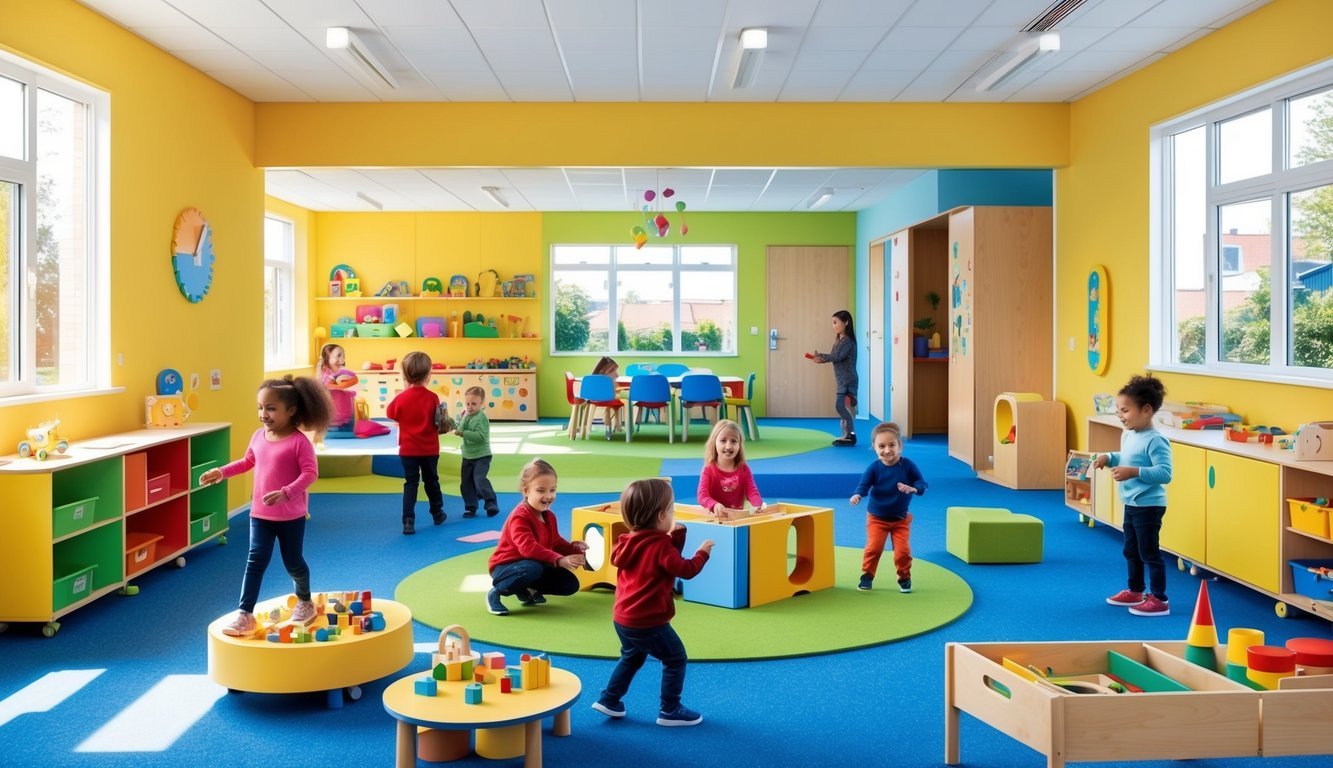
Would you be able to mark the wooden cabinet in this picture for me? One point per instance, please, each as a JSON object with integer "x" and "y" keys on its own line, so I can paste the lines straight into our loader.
{"x": 1242, "y": 507}
{"x": 998, "y": 325}
{"x": 78, "y": 525}
{"x": 1183, "y": 527}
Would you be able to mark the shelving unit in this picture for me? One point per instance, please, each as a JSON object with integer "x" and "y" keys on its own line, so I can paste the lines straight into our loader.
{"x": 1227, "y": 509}
{"x": 73, "y": 522}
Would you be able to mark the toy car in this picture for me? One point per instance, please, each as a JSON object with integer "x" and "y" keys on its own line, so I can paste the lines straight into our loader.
{"x": 42, "y": 440}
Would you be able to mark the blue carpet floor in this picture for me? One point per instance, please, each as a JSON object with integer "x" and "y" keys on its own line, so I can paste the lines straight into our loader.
{"x": 874, "y": 706}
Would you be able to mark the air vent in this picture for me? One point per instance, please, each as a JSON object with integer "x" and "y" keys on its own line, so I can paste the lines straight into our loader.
{"x": 1054, "y": 15}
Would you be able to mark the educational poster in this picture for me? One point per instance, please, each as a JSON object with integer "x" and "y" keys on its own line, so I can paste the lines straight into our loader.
{"x": 511, "y": 395}
{"x": 960, "y": 304}
{"x": 1098, "y": 304}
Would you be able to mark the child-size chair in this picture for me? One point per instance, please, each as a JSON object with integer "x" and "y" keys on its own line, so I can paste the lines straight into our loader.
{"x": 600, "y": 392}
{"x": 649, "y": 392}
{"x": 672, "y": 369}
{"x": 577, "y": 406}
{"x": 639, "y": 369}
{"x": 744, "y": 412}
{"x": 699, "y": 390}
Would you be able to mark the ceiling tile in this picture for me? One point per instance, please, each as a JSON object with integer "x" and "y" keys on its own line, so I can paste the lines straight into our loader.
{"x": 741, "y": 176}
{"x": 985, "y": 39}
{"x": 233, "y": 13}
{"x": 214, "y": 61}
{"x": 583, "y": 13}
{"x": 681, "y": 13}
{"x": 515, "y": 60}
{"x": 1109, "y": 14}
{"x": 186, "y": 38}
{"x": 769, "y": 13}
{"x": 454, "y": 61}
{"x": 955, "y": 13}
{"x": 535, "y": 39}
{"x": 602, "y": 60}
{"x": 139, "y": 13}
{"x": 600, "y": 38}
{"x": 855, "y": 13}
{"x": 933, "y": 39}
{"x": 391, "y": 13}
{"x": 278, "y": 38}
{"x": 908, "y": 61}
{"x": 498, "y": 13}
{"x": 432, "y": 38}
{"x": 829, "y": 61}
{"x": 842, "y": 38}
{"x": 309, "y": 59}
{"x": 1013, "y": 14}
{"x": 1144, "y": 39}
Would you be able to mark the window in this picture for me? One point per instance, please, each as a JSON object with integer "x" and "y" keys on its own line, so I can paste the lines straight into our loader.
{"x": 54, "y": 309}
{"x": 279, "y": 293}
{"x": 1243, "y": 242}
{"x": 661, "y": 300}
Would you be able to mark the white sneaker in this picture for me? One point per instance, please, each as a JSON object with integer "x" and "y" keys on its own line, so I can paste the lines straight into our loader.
{"x": 243, "y": 625}
{"x": 304, "y": 613}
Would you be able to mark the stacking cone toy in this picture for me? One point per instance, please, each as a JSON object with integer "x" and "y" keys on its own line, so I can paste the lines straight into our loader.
{"x": 1201, "y": 643}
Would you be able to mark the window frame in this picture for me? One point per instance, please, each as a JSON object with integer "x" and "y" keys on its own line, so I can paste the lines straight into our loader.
{"x": 97, "y": 233}
{"x": 611, "y": 268}
{"x": 285, "y": 309}
{"x": 1276, "y": 187}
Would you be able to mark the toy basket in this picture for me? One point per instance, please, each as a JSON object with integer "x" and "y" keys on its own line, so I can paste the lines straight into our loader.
{"x": 75, "y": 516}
{"x": 1309, "y": 517}
{"x": 140, "y": 549}
{"x": 1312, "y": 584}
{"x": 72, "y": 587}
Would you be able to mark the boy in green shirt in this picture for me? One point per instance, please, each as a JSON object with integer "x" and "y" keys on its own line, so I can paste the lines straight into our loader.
{"x": 475, "y": 429}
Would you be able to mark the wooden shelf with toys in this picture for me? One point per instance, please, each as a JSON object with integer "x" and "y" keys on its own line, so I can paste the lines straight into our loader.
{"x": 84, "y": 518}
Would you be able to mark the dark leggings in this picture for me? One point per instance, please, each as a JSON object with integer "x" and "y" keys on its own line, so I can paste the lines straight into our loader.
{"x": 290, "y": 537}
{"x": 845, "y": 404}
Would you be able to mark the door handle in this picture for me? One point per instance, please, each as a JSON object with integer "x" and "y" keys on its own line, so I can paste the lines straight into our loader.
{"x": 773, "y": 338}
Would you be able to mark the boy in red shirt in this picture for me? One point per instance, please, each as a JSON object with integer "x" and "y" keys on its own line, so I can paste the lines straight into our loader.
{"x": 648, "y": 562}
{"x": 418, "y": 439}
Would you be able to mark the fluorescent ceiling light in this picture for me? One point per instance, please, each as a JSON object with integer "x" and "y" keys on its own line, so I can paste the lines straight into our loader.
{"x": 345, "y": 40}
{"x": 1027, "y": 53}
{"x": 824, "y": 195}
{"x": 372, "y": 201}
{"x": 753, "y": 43}
{"x": 494, "y": 194}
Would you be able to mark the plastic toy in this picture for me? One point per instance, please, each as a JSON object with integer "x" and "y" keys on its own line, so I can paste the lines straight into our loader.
{"x": 432, "y": 286}
{"x": 395, "y": 288}
{"x": 458, "y": 287}
{"x": 42, "y": 440}
{"x": 165, "y": 411}
{"x": 525, "y": 286}
{"x": 1201, "y": 643}
{"x": 488, "y": 283}
{"x": 352, "y": 286}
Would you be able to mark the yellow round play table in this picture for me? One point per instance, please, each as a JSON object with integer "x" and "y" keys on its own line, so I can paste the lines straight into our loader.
{"x": 258, "y": 666}
{"x": 507, "y": 724}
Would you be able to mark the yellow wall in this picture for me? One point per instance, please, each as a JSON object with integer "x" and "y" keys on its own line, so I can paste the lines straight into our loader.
{"x": 1102, "y": 205}
{"x": 307, "y": 279}
{"x": 178, "y": 140}
{"x": 664, "y": 135}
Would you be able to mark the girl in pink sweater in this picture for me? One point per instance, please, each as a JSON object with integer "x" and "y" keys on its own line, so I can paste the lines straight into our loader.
{"x": 284, "y": 463}
{"x": 726, "y": 482}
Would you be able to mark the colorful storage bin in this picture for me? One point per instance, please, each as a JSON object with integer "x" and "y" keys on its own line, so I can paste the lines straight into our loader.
{"x": 1313, "y": 585}
{"x": 197, "y": 471}
{"x": 72, "y": 587}
{"x": 1309, "y": 517}
{"x": 140, "y": 551}
{"x": 204, "y": 524}
{"x": 375, "y": 330}
{"x": 75, "y": 516}
{"x": 159, "y": 487}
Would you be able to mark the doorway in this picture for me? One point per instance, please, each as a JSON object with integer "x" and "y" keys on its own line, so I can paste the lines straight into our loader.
{"x": 806, "y": 285}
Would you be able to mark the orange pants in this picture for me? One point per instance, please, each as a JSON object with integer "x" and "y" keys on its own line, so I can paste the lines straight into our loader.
{"x": 877, "y": 531}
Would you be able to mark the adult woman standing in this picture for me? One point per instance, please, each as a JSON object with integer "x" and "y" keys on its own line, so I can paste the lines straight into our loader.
{"x": 843, "y": 357}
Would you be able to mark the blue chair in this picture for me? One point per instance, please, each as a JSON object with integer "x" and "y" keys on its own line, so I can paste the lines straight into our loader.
{"x": 650, "y": 392}
{"x": 600, "y": 392}
{"x": 699, "y": 390}
{"x": 744, "y": 410}
{"x": 672, "y": 369}
{"x": 639, "y": 369}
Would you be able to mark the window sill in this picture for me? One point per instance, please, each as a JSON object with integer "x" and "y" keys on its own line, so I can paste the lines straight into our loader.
{"x": 65, "y": 394}
{"x": 1247, "y": 373}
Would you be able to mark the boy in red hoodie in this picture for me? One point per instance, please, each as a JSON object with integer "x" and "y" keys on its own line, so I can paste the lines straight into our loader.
{"x": 648, "y": 562}
{"x": 532, "y": 559}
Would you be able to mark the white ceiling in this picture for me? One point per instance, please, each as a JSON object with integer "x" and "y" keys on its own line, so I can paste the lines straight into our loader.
{"x": 648, "y": 50}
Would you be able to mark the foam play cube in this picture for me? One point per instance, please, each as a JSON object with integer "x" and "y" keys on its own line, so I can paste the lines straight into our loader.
{"x": 472, "y": 693}
{"x": 493, "y": 660}
{"x": 772, "y": 576}
{"x": 425, "y": 686}
{"x": 598, "y": 527}
{"x": 516, "y": 675}
{"x": 404, "y": 329}
{"x": 992, "y": 535}
{"x": 430, "y": 327}
{"x": 725, "y": 581}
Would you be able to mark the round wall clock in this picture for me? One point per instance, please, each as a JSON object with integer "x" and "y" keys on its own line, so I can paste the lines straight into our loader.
{"x": 192, "y": 254}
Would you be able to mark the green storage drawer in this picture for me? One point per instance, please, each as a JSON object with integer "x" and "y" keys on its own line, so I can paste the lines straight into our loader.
{"x": 72, "y": 588}
{"x": 207, "y": 524}
{"x": 197, "y": 470}
{"x": 75, "y": 516}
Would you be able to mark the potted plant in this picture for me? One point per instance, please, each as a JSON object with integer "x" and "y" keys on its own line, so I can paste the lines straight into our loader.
{"x": 925, "y": 327}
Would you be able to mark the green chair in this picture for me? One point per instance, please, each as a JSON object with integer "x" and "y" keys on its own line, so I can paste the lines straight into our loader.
{"x": 744, "y": 412}
{"x": 992, "y": 535}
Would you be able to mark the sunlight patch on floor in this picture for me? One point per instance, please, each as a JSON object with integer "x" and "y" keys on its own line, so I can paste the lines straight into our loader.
{"x": 46, "y": 692}
{"x": 156, "y": 719}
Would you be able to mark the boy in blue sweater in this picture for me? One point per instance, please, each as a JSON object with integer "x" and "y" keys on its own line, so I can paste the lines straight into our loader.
{"x": 1142, "y": 466}
{"x": 891, "y": 482}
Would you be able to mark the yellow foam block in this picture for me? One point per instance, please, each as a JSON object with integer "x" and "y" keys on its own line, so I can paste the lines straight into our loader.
{"x": 771, "y": 579}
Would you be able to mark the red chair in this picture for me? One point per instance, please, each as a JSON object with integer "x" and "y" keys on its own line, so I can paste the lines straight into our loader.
{"x": 577, "y": 406}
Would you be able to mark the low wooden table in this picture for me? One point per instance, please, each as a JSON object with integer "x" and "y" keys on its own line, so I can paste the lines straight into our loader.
{"x": 504, "y": 721}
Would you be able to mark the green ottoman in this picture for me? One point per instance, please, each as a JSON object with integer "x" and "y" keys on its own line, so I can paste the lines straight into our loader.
{"x": 992, "y": 535}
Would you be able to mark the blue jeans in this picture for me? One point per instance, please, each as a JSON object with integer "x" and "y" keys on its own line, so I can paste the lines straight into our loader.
{"x": 476, "y": 484}
{"x": 428, "y": 469}
{"x": 636, "y": 645}
{"x": 513, "y": 578}
{"x": 1141, "y": 527}
{"x": 290, "y": 535}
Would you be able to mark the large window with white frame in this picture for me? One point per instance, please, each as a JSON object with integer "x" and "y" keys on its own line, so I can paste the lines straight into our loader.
{"x": 656, "y": 300}
{"x": 1243, "y": 235}
{"x": 54, "y": 309}
{"x": 279, "y": 293}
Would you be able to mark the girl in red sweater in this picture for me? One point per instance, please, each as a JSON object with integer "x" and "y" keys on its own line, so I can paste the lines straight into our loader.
{"x": 648, "y": 562}
{"x": 726, "y": 482}
{"x": 532, "y": 559}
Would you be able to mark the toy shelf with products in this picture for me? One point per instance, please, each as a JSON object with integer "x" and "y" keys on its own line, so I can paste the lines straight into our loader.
{"x": 1229, "y": 511}
{"x": 430, "y": 317}
{"x": 81, "y": 523}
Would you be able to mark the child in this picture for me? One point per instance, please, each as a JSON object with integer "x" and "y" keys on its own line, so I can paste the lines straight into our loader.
{"x": 532, "y": 559}
{"x": 608, "y": 366}
{"x": 891, "y": 482}
{"x": 284, "y": 463}
{"x": 649, "y": 561}
{"x": 418, "y": 440}
{"x": 332, "y": 370}
{"x": 475, "y": 429}
{"x": 843, "y": 357}
{"x": 726, "y": 481}
{"x": 1142, "y": 466}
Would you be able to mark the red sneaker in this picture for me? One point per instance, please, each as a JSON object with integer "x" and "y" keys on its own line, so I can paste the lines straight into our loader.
{"x": 1151, "y": 606}
{"x": 1125, "y": 598}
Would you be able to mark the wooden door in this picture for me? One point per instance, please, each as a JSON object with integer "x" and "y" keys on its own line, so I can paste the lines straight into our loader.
{"x": 806, "y": 285}
{"x": 962, "y": 364}
{"x": 898, "y": 252}
{"x": 874, "y": 332}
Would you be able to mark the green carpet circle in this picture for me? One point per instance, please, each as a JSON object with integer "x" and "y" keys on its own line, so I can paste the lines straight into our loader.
{"x": 453, "y": 591}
